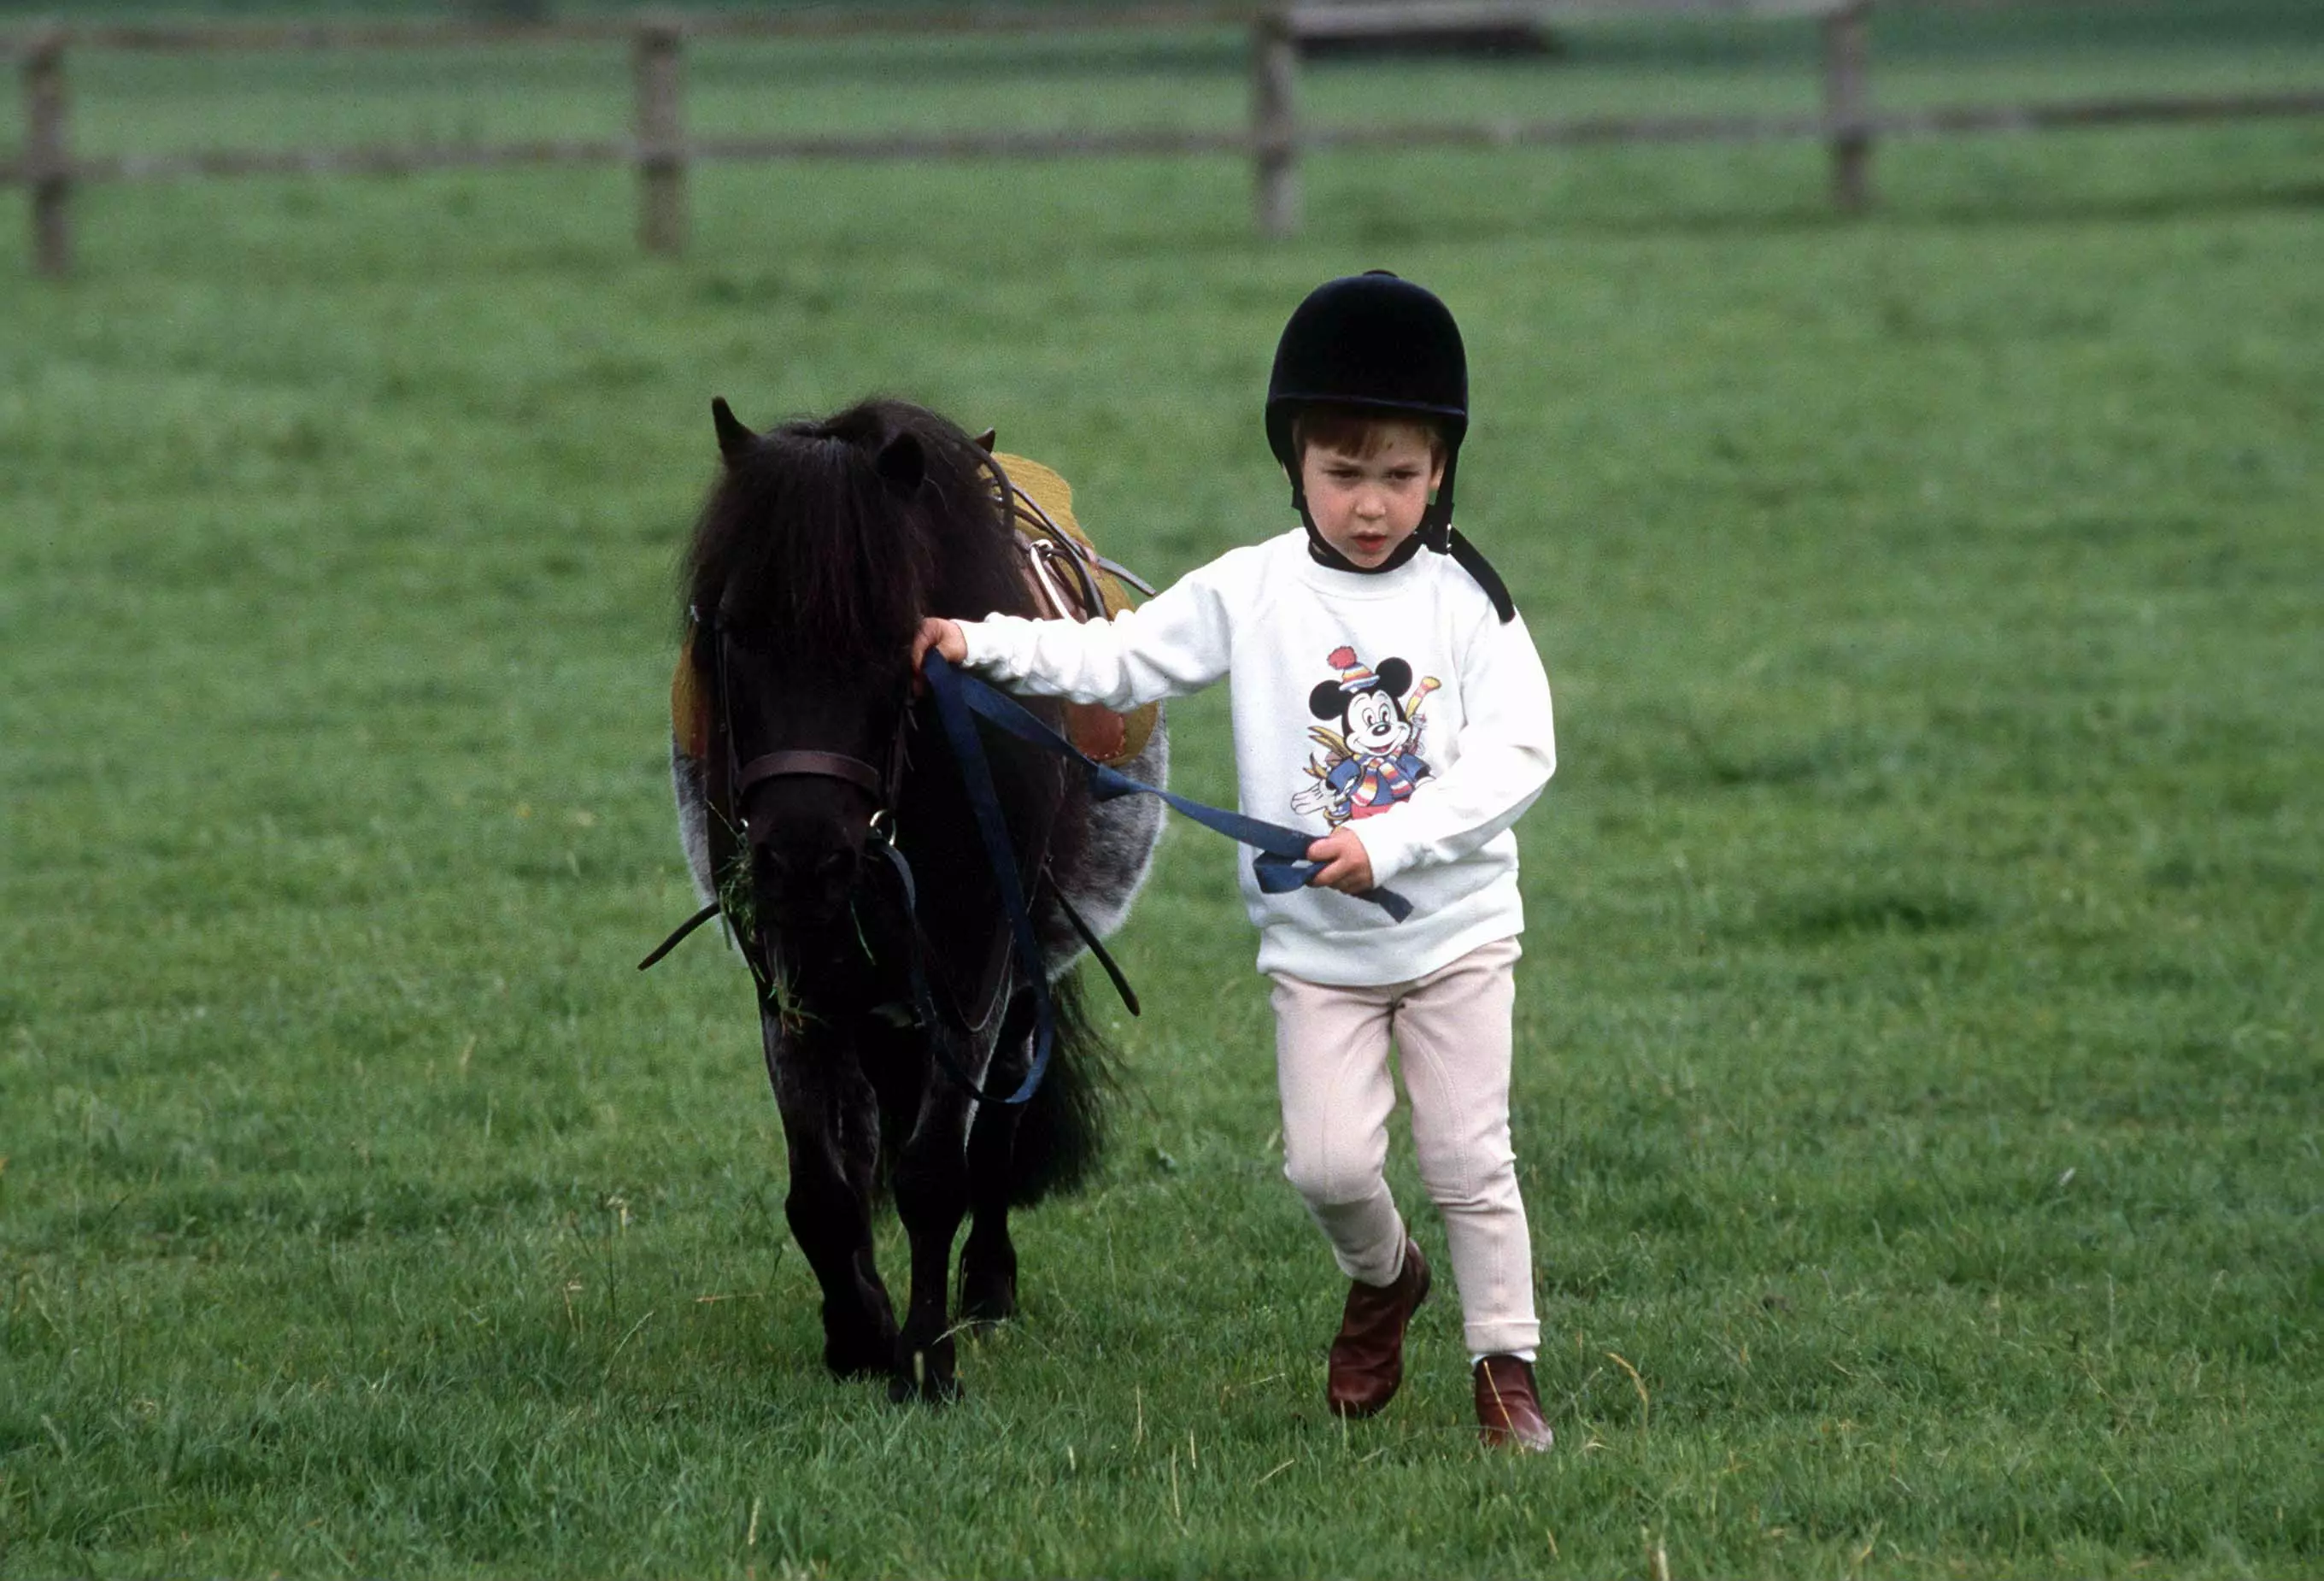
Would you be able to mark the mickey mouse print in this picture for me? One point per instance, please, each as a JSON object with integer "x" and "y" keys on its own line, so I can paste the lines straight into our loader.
{"x": 1372, "y": 760}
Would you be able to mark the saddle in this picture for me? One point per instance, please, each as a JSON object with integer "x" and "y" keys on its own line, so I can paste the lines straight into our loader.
{"x": 1068, "y": 578}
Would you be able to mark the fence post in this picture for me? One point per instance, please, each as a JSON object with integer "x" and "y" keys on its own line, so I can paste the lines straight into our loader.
{"x": 1847, "y": 63}
{"x": 47, "y": 155}
{"x": 1274, "y": 124}
{"x": 661, "y": 135}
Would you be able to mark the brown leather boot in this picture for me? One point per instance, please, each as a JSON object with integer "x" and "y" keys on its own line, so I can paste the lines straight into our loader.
{"x": 1367, "y": 1357}
{"x": 1509, "y": 1411}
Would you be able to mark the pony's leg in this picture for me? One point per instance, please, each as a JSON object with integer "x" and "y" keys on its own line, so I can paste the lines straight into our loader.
{"x": 988, "y": 1263}
{"x": 826, "y": 1105}
{"x": 931, "y": 1198}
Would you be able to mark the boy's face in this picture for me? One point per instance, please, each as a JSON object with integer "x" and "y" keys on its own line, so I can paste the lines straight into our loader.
{"x": 1367, "y": 506}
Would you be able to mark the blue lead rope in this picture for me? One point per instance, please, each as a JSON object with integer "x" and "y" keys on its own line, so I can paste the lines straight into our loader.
{"x": 984, "y": 802}
{"x": 1280, "y": 864}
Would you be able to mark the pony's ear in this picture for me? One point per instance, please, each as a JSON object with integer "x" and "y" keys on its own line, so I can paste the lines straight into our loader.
{"x": 984, "y": 441}
{"x": 735, "y": 439}
{"x": 902, "y": 465}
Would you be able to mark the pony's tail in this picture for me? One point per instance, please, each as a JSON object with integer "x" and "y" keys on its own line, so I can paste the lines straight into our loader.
{"x": 1062, "y": 1136}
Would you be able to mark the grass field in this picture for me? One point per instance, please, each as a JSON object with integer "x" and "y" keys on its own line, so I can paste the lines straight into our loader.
{"x": 1919, "y": 1084}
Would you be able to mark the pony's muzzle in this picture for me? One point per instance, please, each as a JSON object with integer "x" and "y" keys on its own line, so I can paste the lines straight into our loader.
{"x": 806, "y": 881}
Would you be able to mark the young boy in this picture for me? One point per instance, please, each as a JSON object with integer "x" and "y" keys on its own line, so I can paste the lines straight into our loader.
{"x": 1390, "y": 698}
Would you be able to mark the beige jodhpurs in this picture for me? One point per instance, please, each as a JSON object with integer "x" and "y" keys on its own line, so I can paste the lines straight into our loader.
{"x": 1451, "y": 1030}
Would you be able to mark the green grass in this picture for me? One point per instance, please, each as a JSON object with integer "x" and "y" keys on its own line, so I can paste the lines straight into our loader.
{"x": 1920, "y": 1067}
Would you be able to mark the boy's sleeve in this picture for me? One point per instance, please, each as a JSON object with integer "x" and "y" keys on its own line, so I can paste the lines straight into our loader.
{"x": 1179, "y": 641}
{"x": 1508, "y": 750}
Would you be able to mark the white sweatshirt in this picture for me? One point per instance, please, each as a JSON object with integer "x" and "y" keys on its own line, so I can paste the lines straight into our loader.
{"x": 1435, "y": 736}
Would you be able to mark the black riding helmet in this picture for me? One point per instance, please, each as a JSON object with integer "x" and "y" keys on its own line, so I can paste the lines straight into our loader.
{"x": 1375, "y": 342}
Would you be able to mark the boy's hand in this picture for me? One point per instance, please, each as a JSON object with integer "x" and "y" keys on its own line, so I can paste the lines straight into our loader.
{"x": 1346, "y": 866}
{"x": 943, "y": 635}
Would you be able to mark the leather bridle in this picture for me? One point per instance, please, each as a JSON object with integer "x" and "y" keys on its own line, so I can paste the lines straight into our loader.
{"x": 829, "y": 765}
{"x": 880, "y": 784}
{"x": 726, "y": 780}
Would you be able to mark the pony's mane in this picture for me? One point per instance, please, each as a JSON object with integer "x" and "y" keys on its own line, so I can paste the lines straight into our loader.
{"x": 804, "y": 551}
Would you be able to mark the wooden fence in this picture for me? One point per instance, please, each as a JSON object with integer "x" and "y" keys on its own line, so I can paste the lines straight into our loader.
{"x": 661, "y": 152}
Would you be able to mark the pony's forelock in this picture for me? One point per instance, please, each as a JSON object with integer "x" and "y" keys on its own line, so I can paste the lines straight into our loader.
{"x": 804, "y": 551}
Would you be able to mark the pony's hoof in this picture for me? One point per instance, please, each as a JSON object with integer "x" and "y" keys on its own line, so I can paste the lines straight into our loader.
{"x": 858, "y": 1358}
{"x": 927, "y": 1378}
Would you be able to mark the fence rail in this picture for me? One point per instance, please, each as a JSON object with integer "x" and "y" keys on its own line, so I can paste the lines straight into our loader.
{"x": 1318, "y": 18}
{"x": 661, "y": 152}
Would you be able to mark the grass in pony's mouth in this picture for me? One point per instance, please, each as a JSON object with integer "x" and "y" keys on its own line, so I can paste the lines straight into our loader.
{"x": 738, "y": 895}
{"x": 738, "y": 900}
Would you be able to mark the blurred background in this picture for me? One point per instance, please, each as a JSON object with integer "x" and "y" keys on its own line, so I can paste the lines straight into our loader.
{"x": 1898, "y": 428}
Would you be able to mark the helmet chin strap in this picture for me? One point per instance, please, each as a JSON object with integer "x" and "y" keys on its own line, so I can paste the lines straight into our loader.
{"x": 1319, "y": 549}
{"x": 1435, "y": 531}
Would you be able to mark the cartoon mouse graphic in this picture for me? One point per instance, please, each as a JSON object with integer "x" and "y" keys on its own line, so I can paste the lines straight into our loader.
{"x": 1372, "y": 761}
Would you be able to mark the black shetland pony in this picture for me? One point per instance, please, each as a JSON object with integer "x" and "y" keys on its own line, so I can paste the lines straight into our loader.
{"x": 820, "y": 549}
